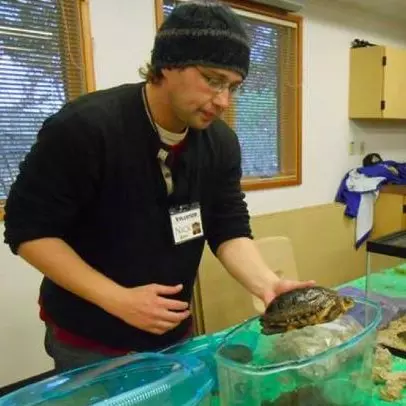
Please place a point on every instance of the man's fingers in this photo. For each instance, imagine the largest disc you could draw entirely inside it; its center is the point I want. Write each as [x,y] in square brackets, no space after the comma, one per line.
[168,320]
[287,285]
[162,327]
[306,284]
[172,304]
[167,290]
[268,298]
[176,317]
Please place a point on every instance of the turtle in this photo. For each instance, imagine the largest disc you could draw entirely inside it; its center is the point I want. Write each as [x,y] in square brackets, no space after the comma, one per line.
[303,307]
[402,335]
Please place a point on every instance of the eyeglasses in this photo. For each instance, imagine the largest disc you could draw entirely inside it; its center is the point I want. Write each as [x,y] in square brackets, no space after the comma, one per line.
[218,85]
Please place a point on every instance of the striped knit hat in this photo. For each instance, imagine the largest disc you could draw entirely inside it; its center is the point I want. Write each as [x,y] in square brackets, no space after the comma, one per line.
[197,33]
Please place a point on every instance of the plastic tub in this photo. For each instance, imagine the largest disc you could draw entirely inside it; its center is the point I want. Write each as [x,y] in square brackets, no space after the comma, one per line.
[324,365]
[146,379]
[203,347]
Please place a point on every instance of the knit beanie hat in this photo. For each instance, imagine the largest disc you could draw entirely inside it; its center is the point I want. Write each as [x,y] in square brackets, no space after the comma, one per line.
[198,33]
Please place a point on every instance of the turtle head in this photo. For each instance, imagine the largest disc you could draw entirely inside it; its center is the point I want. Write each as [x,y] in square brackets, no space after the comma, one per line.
[347,302]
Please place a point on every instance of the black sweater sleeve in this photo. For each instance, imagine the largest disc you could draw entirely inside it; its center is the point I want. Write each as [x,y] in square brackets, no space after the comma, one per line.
[229,215]
[56,181]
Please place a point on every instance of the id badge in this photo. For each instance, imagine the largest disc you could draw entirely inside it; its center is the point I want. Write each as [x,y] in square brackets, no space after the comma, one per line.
[186,222]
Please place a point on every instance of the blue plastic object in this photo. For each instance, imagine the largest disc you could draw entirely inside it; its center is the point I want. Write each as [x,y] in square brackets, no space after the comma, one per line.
[146,379]
[203,347]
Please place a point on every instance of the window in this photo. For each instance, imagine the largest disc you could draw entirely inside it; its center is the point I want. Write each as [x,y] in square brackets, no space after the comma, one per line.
[44,62]
[266,113]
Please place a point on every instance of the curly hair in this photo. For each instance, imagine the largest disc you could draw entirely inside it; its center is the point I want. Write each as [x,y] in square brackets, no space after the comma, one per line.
[151,74]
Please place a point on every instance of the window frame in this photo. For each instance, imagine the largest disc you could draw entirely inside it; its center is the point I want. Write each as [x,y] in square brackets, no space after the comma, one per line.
[87,52]
[293,145]
[87,44]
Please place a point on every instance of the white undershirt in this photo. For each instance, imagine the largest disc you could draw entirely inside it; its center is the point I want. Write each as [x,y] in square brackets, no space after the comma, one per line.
[169,138]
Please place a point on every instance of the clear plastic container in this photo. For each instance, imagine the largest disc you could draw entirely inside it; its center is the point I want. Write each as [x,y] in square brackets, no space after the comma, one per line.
[328,364]
[203,347]
[146,379]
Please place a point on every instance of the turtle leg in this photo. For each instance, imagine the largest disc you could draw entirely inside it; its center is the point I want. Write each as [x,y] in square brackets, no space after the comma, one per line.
[271,330]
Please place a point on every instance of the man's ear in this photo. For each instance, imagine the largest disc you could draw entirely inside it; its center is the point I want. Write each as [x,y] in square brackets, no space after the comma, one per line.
[165,72]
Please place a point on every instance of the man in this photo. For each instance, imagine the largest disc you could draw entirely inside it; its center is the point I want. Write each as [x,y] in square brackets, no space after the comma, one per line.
[106,199]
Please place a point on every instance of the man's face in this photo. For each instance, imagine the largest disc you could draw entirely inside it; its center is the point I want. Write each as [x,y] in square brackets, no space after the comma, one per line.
[199,94]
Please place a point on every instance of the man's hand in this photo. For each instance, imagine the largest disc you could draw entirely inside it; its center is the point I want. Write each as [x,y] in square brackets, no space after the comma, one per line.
[146,308]
[283,285]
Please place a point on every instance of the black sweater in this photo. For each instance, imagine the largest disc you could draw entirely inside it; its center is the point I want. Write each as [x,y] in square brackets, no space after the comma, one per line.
[92,179]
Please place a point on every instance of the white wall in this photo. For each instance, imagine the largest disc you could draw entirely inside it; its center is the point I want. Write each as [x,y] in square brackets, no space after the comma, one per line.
[123,36]
[123,32]
[21,332]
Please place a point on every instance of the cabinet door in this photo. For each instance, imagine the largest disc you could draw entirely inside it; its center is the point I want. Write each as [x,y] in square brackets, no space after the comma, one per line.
[395,83]
[366,82]
[388,214]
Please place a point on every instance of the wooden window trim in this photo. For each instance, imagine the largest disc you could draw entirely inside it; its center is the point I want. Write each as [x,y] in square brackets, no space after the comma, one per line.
[159,13]
[282,180]
[87,49]
[87,45]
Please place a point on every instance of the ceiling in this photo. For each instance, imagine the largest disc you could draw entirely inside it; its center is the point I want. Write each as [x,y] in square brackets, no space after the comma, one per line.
[393,9]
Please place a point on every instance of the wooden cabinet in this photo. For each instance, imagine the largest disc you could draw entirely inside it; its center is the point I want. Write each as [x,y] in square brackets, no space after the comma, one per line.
[377,83]
[390,211]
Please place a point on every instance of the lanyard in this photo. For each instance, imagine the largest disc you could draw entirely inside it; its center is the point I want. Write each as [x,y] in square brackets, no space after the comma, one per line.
[190,178]
[164,153]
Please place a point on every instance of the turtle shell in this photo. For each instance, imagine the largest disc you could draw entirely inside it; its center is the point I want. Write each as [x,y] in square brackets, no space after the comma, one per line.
[303,307]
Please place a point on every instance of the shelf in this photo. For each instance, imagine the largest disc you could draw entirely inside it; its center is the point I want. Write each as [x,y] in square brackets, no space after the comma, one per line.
[393,245]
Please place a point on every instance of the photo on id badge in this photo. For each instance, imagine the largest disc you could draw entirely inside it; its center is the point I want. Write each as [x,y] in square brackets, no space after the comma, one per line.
[186,223]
